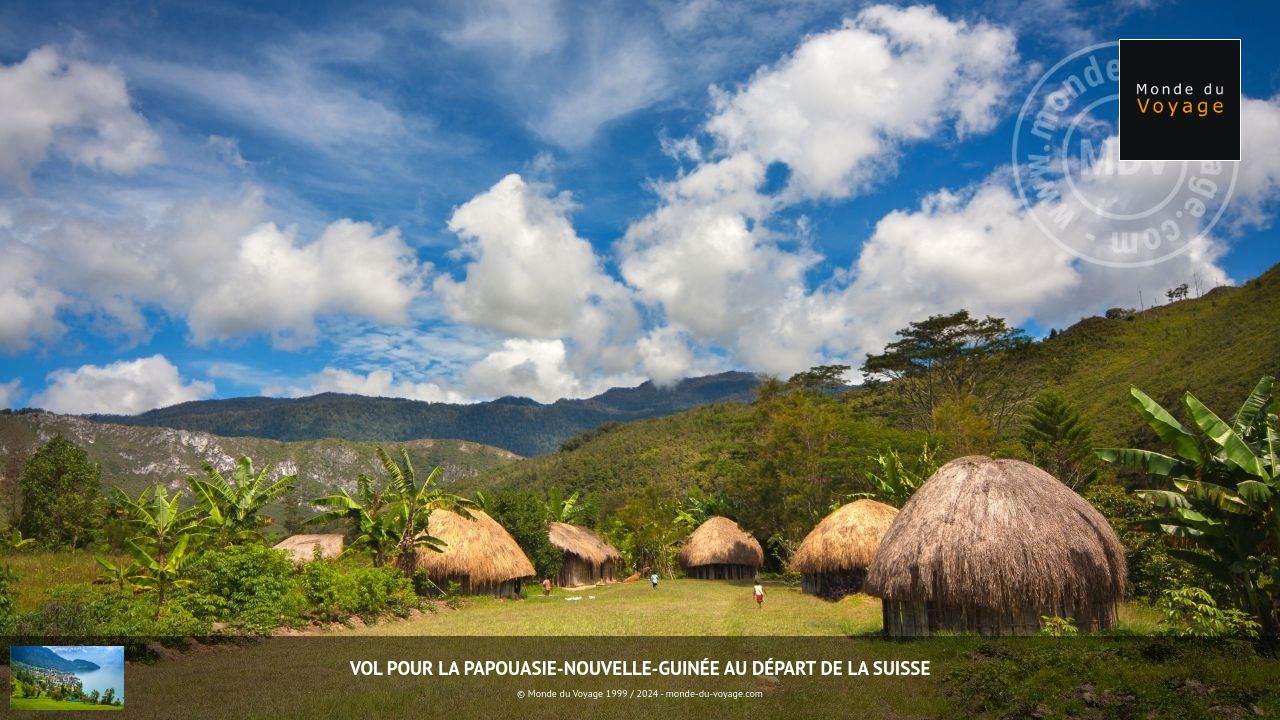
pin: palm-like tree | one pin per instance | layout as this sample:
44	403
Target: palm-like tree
162	546
118	575
234	506
392	522
367	515
562	509
415	502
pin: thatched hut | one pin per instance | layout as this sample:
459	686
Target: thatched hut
586	558
481	555
991	546
835	555
302	548
720	550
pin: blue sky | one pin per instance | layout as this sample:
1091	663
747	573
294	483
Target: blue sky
457	202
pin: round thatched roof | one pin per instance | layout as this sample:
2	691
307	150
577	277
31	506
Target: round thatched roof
301	548
719	541
582	542
845	539
479	548
999	534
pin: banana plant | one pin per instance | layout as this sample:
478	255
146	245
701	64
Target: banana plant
367	515
413	507
1223	513
234	507
14	541
162	546
119	575
162	572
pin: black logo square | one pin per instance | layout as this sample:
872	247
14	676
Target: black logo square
1179	99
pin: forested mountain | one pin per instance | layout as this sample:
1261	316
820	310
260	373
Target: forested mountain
520	425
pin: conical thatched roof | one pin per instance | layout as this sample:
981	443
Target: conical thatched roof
479	548
719	541
845	539
301	548
998	534
582	542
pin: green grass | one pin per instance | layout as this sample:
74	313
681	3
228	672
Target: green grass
40	571
44	703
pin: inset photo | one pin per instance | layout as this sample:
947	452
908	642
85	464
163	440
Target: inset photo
66	677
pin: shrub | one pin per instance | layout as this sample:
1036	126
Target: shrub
1192	612
250	587
1058	627
1152	572
80	610
7	611
336	589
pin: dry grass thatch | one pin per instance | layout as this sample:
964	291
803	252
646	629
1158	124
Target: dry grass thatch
479	548
719	541
845	539
301	548
998	534
582	542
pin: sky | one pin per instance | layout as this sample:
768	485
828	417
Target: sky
457	202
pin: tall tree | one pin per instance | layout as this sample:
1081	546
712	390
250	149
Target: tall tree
1059	441
61	496
950	356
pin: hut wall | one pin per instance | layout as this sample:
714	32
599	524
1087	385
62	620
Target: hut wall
576	571
834	585
504	589
915	619
722	571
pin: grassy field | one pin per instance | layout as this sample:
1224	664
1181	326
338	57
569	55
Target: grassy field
677	608
45	703
38	572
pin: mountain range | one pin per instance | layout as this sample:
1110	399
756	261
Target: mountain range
42	657
519	425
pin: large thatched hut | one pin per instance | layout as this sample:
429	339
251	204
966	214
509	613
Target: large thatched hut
481	555
720	550
586	558
991	546
302	548
835	555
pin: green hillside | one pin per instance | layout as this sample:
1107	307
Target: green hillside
1216	346
133	457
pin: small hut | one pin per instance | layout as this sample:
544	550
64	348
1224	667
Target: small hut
720	550
480	555
587	558
834	557
302	548
991	546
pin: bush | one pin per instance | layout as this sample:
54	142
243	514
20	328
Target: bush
80	610
250	587
1192	612
7	611
1152	571
335	589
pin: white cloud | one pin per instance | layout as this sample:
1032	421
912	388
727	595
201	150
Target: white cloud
220	266
28	309
529	274
836	110
10	392
535	369
525	28
376	383
120	388
78	109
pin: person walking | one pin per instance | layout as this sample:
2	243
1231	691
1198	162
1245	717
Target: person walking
653	580
759	591
546	587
